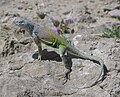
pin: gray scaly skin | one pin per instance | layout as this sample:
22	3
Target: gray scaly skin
42	34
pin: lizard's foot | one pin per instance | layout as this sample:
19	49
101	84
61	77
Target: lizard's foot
39	57
65	76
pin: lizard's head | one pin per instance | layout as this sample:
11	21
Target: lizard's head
21	22
24	24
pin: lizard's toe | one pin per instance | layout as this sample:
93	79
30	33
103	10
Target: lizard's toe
39	58
63	77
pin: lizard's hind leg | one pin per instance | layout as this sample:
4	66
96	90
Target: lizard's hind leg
66	74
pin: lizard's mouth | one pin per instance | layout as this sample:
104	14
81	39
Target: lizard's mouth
15	21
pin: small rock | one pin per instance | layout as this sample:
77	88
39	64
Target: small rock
6	27
112	7
3	2
114	13
23	1
86	18
66	13
5	20
20	7
30	8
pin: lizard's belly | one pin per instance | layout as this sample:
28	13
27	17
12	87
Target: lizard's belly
53	43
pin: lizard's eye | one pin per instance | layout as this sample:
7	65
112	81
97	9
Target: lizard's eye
21	22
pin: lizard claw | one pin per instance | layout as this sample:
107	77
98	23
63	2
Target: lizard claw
65	77
39	58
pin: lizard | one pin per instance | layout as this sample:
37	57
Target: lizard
41	34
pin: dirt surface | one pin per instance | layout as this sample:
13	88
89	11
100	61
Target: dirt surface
22	75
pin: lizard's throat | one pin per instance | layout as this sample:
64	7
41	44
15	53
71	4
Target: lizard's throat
30	29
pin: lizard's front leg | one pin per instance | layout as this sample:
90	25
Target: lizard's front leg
40	52
66	75
38	43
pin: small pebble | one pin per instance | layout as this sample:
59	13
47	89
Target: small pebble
20	7
114	13
30	8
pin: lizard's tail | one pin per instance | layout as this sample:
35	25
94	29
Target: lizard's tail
91	58
100	62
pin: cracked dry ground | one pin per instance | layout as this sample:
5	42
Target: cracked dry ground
22	75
